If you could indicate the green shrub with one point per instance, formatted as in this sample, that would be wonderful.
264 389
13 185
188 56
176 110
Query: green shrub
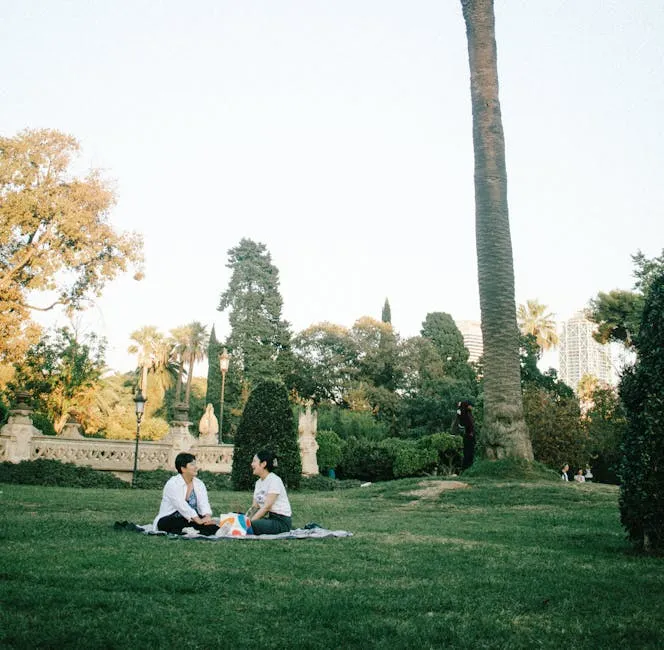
448 450
515 469
55 473
330 450
267 423
351 424
642 468
4 412
411 460
41 422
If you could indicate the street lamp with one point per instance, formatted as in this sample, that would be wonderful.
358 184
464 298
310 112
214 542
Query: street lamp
223 364
139 400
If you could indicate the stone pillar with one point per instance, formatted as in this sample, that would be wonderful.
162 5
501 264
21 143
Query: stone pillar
178 434
71 430
19 430
307 426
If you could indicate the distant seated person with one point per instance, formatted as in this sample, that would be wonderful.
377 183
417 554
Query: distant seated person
184 501
270 513
579 478
564 476
588 475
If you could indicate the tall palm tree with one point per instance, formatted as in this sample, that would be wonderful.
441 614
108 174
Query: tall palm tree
504 429
180 336
196 350
533 319
155 357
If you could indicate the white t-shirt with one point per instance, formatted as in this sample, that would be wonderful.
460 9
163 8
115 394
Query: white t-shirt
272 484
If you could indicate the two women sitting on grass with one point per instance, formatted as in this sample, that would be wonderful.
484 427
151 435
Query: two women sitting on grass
185 501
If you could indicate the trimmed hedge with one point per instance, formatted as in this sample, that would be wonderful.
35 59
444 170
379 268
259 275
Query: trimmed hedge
55 473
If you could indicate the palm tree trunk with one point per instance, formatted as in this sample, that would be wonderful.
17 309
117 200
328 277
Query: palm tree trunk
178 386
190 375
504 430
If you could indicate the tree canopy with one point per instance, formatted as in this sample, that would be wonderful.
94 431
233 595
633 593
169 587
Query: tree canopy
56 242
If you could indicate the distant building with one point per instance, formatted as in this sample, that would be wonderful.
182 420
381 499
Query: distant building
472 337
579 353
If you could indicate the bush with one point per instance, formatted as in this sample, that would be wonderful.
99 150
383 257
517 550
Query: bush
55 473
351 424
330 450
448 450
385 460
325 484
267 423
41 422
642 467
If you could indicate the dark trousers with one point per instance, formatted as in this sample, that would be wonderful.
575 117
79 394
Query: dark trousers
468 452
176 522
271 524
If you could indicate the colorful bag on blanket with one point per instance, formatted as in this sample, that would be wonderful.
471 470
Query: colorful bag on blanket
233 524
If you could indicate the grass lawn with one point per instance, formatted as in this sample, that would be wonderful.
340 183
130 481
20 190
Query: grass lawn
498 564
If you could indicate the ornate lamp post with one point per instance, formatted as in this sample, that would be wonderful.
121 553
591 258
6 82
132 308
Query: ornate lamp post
139 400
224 360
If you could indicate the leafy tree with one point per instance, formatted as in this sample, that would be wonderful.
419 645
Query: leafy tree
504 430
325 362
267 423
533 318
259 339
642 392
62 373
617 314
605 422
55 235
448 346
531 375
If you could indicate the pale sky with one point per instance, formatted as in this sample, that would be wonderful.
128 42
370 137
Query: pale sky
338 134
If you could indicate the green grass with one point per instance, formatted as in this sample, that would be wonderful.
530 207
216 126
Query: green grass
503 563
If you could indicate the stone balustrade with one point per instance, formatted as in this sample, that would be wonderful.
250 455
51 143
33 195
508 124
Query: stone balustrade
20 440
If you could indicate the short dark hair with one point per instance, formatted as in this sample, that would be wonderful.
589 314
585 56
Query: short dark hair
182 460
268 458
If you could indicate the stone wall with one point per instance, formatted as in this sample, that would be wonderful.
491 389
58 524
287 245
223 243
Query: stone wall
20 440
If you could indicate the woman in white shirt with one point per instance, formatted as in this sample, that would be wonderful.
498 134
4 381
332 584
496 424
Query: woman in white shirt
270 513
185 501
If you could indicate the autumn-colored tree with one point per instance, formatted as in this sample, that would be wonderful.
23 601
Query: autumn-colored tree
57 246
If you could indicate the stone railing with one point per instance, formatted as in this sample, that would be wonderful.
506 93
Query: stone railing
20 440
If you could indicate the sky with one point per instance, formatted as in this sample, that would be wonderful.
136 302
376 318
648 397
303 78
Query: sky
339 135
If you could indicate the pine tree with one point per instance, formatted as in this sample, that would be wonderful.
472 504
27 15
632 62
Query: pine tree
267 423
386 316
260 340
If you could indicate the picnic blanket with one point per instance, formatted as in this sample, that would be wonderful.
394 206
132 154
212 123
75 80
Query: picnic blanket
310 531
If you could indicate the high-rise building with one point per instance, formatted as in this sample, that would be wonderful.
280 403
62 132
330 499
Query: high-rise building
580 354
472 337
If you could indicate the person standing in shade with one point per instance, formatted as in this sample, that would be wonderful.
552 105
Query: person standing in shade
565 476
184 501
466 426
270 513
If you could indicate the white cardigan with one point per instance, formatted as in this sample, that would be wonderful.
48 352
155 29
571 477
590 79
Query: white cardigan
173 499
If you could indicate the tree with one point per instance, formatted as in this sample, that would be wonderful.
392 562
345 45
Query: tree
267 423
617 314
448 346
62 372
213 391
180 337
386 315
642 392
259 339
155 357
197 341
504 430
534 319
55 235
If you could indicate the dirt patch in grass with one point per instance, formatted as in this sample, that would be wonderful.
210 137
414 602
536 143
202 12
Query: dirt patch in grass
431 490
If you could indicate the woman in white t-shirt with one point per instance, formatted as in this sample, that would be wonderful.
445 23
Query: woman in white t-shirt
270 513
